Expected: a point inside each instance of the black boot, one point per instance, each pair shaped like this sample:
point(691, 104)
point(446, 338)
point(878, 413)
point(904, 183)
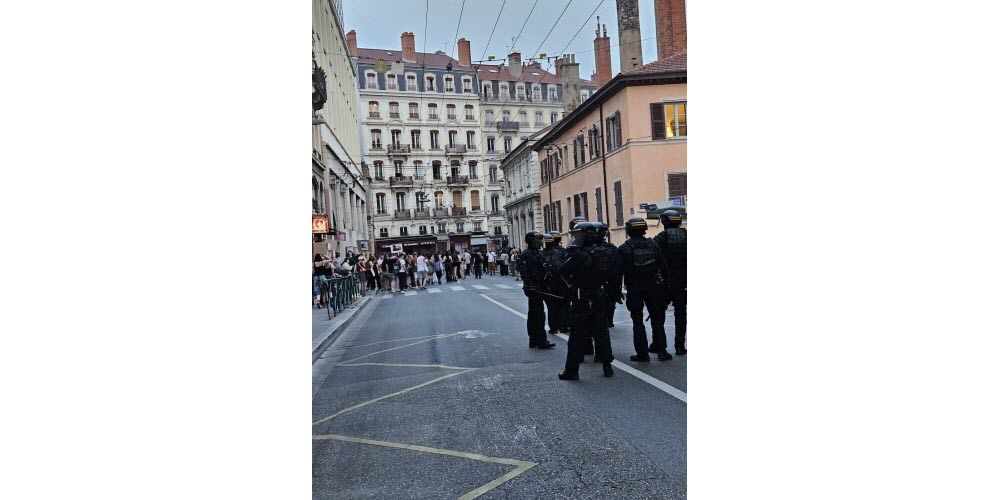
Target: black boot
point(565, 376)
point(664, 355)
point(607, 370)
point(642, 359)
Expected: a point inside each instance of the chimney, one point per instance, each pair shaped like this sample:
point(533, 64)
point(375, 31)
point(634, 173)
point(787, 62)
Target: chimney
point(570, 78)
point(629, 38)
point(352, 42)
point(514, 64)
point(671, 27)
point(602, 54)
point(464, 52)
point(409, 47)
point(559, 65)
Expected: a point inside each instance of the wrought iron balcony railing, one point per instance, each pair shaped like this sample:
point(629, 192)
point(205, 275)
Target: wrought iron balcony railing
point(401, 180)
point(458, 180)
point(456, 150)
point(402, 214)
point(399, 149)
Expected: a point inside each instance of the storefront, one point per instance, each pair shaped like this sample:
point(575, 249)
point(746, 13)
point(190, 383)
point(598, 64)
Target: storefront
point(410, 244)
point(459, 242)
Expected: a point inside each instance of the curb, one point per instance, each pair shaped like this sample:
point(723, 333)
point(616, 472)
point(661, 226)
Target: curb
point(330, 337)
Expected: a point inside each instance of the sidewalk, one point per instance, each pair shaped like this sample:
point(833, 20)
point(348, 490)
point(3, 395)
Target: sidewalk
point(325, 330)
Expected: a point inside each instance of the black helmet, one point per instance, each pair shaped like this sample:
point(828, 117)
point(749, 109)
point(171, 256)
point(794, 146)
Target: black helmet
point(670, 218)
point(602, 230)
point(584, 234)
point(533, 239)
point(636, 226)
point(576, 220)
point(547, 240)
point(556, 236)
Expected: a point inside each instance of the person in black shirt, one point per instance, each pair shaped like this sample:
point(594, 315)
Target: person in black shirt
point(644, 269)
point(589, 270)
point(532, 270)
point(673, 244)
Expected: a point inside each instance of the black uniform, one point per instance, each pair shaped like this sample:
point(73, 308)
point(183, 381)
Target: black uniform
point(673, 244)
point(614, 288)
point(530, 266)
point(588, 270)
point(558, 309)
point(644, 268)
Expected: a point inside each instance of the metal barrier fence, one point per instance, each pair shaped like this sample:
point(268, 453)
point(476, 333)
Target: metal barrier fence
point(339, 291)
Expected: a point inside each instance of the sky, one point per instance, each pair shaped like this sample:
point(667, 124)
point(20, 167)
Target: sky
point(379, 24)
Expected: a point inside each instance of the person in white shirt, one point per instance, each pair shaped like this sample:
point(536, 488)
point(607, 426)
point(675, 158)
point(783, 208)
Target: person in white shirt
point(491, 262)
point(421, 271)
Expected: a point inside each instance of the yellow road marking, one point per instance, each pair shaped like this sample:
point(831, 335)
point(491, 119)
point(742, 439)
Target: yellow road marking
point(403, 346)
point(387, 396)
point(520, 465)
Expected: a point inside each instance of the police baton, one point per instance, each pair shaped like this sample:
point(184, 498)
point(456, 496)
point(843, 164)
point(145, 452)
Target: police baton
point(549, 294)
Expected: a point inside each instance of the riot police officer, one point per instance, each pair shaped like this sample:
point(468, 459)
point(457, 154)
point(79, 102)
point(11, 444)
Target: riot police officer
point(554, 257)
point(614, 289)
point(644, 268)
point(588, 270)
point(532, 269)
point(571, 248)
point(673, 244)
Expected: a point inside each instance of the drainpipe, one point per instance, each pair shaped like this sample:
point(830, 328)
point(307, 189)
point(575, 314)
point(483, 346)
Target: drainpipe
point(604, 172)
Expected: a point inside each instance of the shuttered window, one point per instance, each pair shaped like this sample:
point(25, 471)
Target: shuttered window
point(677, 185)
point(583, 206)
point(559, 215)
point(576, 205)
point(600, 205)
point(657, 121)
point(619, 209)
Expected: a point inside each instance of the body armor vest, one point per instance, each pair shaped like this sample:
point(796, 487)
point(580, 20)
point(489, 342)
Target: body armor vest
point(673, 243)
point(643, 256)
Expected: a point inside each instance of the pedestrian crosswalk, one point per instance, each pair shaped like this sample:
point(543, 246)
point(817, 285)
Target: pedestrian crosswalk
point(446, 288)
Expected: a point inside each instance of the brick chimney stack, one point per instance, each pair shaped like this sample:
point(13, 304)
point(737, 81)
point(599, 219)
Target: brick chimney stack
point(569, 75)
point(514, 64)
point(352, 43)
point(409, 47)
point(464, 52)
point(671, 27)
point(602, 54)
point(629, 37)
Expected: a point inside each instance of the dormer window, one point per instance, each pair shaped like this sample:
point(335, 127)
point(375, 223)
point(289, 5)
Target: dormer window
point(488, 91)
point(411, 83)
point(449, 84)
point(504, 91)
point(552, 93)
point(371, 81)
point(467, 85)
point(391, 82)
point(429, 85)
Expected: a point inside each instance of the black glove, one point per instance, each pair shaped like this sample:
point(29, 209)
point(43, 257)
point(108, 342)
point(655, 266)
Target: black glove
point(528, 289)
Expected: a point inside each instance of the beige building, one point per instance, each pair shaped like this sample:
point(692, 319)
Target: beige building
point(338, 182)
point(624, 147)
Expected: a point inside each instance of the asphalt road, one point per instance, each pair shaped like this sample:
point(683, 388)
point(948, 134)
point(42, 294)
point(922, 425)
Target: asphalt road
point(437, 395)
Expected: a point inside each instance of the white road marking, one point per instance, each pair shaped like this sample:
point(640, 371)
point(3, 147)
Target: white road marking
point(456, 287)
point(480, 287)
point(663, 386)
point(409, 293)
point(434, 290)
point(505, 287)
point(386, 297)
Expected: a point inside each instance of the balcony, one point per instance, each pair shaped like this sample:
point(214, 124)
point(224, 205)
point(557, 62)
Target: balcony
point(440, 212)
point(399, 149)
point(469, 118)
point(374, 114)
point(458, 211)
point(422, 214)
point(508, 125)
point(432, 116)
point(496, 213)
point(456, 150)
point(458, 180)
point(402, 214)
point(401, 180)
point(414, 116)
point(394, 114)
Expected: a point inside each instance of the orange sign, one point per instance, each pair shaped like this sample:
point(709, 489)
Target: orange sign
point(321, 224)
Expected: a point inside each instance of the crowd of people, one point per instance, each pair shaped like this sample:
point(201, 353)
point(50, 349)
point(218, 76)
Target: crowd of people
point(396, 272)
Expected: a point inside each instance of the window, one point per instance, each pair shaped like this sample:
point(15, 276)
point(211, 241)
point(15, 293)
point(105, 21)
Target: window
point(436, 169)
point(677, 185)
point(477, 225)
point(489, 117)
point(373, 109)
point(404, 231)
point(520, 92)
point(473, 169)
point(394, 137)
point(468, 112)
point(449, 84)
point(456, 198)
point(414, 110)
point(376, 139)
point(538, 118)
point(545, 216)
point(434, 140)
point(418, 172)
point(423, 229)
point(506, 116)
point(429, 85)
point(523, 117)
point(558, 215)
point(619, 209)
point(383, 232)
point(493, 174)
point(583, 206)
point(460, 227)
point(371, 81)
point(613, 130)
point(398, 168)
point(488, 91)
point(467, 85)
point(379, 175)
point(452, 138)
point(451, 111)
point(491, 144)
point(594, 138)
point(506, 145)
point(432, 111)
point(600, 205)
point(380, 203)
point(441, 228)
point(552, 93)
point(576, 205)
point(411, 83)
point(495, 203)
point(536, 92)
point(455, 166)
point(391, 82)
point(470, 139)
point(553, 117)
point(584, 95)
point(400, 201)
point(438, 199)
point(668, 120)
point(415, 139)
point(475, 200)
point(504, 91)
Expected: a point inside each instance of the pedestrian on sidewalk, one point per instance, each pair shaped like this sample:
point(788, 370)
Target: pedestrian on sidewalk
point(421, 271)
point(438, 267)
point(491, 262)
